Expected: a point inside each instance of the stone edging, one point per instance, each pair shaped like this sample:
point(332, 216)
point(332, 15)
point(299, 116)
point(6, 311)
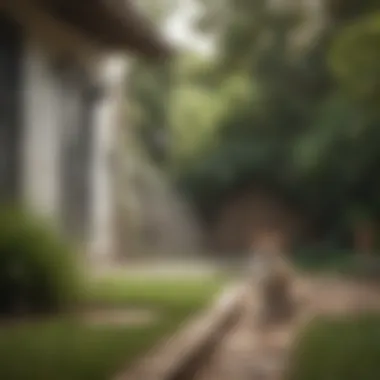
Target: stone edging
point(181, 356)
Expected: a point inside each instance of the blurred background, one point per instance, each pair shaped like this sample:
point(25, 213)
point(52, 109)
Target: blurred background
point(188, 127)
point(145, 138)
point(269, 121)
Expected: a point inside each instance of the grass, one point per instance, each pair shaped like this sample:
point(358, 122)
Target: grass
point(63, 348)
point(338, 349)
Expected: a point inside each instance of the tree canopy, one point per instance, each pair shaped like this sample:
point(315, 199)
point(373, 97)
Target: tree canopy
point(289, 100)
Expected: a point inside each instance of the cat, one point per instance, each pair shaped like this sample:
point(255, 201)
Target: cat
point(272, 281)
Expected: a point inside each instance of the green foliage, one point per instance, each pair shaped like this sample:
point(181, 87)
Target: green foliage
point(324, 260)
point(193, 114)
point(348, 10)
point(300, 115)
point(38, 271)
point(295, 127)
point(347, 263)
point(355, 59)
point(338, 349)
point(198, 108)
point(260, 112)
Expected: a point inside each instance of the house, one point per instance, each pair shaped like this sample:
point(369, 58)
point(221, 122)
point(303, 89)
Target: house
point(62, 70)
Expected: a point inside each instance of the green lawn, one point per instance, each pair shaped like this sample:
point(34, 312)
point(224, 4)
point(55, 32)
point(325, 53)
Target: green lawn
point(63, 348)
point(338, 349)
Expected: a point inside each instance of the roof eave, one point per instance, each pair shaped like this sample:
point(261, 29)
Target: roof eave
point(116, 24)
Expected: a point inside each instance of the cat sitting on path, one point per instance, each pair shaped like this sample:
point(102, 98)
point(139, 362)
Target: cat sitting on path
point(272, 281)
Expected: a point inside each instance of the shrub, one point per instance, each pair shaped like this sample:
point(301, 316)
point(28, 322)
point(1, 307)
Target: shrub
point(363, 267)
point(38, 271)
point(324, 260)
point(338, 349)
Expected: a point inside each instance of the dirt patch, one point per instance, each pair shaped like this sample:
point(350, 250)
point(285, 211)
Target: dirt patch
point(343, 297)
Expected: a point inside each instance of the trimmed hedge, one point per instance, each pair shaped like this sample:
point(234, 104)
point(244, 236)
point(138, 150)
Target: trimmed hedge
point(38, 270)
point(338, 349)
